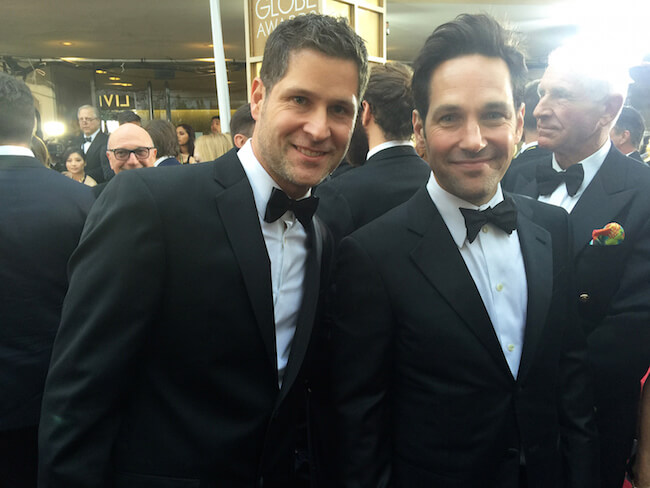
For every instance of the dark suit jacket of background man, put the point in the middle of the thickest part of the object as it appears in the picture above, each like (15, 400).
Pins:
(636, 155)
(613, 284)
(96, 160)
(42, 214)
(531, 154)
(387, 179)
(172, 375)
(424, 395)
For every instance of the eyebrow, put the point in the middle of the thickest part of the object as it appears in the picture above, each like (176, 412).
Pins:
(293, 91)
(455, 108)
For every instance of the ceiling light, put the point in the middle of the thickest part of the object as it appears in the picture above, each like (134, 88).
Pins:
(114, 78)
(100, 71)
(66, 43)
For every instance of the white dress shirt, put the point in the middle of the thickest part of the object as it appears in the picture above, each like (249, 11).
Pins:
(15, 151)
(496, 265)
(386, 145)
(590, 166)
(87, 144)
(286, 244)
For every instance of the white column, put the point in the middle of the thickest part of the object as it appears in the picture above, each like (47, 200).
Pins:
(223, 95)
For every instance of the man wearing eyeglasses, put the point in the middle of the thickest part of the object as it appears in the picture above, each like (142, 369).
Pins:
(93, 142)
(129, 147)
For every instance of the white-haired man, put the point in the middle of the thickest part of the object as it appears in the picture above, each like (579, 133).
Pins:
(606, 194)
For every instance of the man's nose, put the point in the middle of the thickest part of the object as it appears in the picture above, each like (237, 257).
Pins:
(317, 126)
(472, 138)
(541, 109)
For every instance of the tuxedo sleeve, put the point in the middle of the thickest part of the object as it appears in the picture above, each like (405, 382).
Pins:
(116, 277)
(361, 364)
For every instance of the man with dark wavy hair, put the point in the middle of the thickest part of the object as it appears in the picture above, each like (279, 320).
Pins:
(389, 171)
(457, 356)
(191, 367)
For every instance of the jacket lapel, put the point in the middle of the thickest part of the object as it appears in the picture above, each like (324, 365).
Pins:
(607, 194)
(449, 275)
(308, 307)
(537, 251)
(236, 207)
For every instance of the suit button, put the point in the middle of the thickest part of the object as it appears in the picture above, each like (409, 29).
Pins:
(584, 297)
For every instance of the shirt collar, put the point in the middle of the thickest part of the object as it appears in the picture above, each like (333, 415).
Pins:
(92, 136)
(15, 151)
(160, 160)
(260, 181)
(590, 165)
(386, 145)
(448, 205)
(527, 145)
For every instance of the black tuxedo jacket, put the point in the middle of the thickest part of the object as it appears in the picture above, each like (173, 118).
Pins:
(170, 377)
(42, 214)
(96, 160)
(636, 155)
(531, 154)
(424, 396)
(360, 195)
(613, 294)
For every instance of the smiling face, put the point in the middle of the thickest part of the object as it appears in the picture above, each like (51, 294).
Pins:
(471, 128)
(304, 123)
(182, 136)
(75, 164)
(130, 136)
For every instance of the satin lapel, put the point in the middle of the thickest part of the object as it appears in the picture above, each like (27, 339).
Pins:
(602, 201)
(238, 213)
(528, 188)
(525, 179)
(307, 313)
(438, 258)
(537, 251)
(95, 145)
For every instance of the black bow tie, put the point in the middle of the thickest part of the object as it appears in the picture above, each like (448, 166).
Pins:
(279, 203)
(548, 179)
(88, 139)
(503, 215)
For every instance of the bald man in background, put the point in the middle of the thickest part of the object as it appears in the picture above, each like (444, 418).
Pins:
(129, 147)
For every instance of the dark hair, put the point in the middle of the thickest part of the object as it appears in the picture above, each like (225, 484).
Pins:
(16, 111)
(163, 135)
(467, 34)
(630, 119)
(242, 122)
(215, 117)
(190, 139)
(531, 99)
(71, 150)
(327, 35)
(128, 116)
(391, 100)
